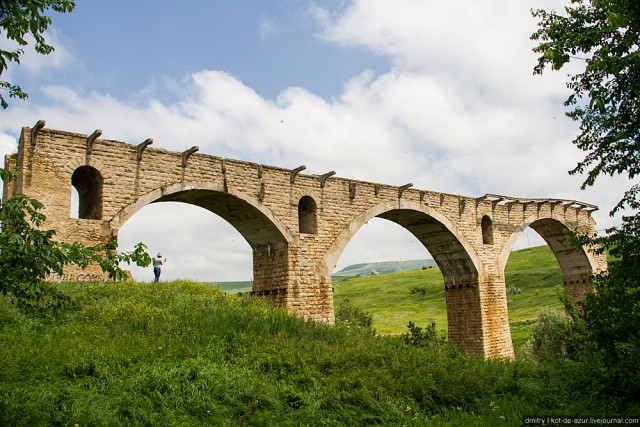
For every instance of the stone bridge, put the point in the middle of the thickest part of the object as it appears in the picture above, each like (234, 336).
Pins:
(298, 225)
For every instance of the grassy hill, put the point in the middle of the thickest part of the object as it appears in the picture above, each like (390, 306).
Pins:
(364, 269)
(232, 286)
(418, 295)
(186, 354)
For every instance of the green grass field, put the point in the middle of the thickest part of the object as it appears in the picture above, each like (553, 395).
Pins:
(532, 276)
(233, 287)
(187, 354)
(533, 273)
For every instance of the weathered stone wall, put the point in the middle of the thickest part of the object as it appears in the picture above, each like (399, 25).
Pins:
(7, 189)
(469, 238)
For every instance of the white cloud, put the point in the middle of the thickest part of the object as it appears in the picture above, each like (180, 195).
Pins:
(268, 27)
(35, 65)
(7, 144)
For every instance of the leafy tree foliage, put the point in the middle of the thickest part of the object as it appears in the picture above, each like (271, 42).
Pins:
(419, 337)
(605, 36)
(19, 19)
(29, 254)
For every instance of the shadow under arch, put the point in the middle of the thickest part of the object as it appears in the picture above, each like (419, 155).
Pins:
(88, 182)
(451, 251)
(572, 260)
(257, 224)
(576, 263)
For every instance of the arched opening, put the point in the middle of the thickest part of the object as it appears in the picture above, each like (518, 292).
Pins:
(266, 237)
(532, 277)
(458, 281)
(487, 230)
(540, 260)
(74, 203)
(87, 181)
(307, 215)
(386, 271)
(204, 248)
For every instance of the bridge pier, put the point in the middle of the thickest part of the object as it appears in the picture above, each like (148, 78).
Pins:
(464, 314)
(271, 274)
(477, 316)
(497, 332)
(310, 289)
(577, 285)
(293, 282)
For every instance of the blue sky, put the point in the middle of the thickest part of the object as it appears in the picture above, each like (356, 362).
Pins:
(268, 45)
(440, 94)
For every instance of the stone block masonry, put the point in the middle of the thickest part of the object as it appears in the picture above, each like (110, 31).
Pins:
(298, 225)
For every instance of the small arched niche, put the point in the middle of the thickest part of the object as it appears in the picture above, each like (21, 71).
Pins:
(88, 181)
(487, 230)
(307, 215)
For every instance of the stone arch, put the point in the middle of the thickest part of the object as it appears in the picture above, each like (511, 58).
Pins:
(487, 230)
(268, 237)
(454, 255)
(256, 223)
(465, 283)
(307, 215)
(571, 259)
(576, 263)
(88, 182)
(79, 161)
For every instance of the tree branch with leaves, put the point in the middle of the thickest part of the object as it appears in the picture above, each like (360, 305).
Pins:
(605, 35)
(605, 101)
(30, 254)
(20, 19)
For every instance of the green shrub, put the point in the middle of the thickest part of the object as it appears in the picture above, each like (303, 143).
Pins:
(513, 290)
(348, 313)
(30, 254)
(555, 336)
(419, 337)
(422, 290)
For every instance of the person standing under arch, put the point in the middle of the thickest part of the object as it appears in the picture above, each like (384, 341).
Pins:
(158, 261)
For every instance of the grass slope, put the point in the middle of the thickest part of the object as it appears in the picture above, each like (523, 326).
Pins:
(418, 295)
(186, 354)
(531, 274)
(364, 269)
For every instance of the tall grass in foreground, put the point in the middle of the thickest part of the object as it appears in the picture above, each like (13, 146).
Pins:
(183, 353)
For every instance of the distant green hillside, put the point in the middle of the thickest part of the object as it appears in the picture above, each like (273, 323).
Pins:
(364, 269)
(233, 287)
(367, 269)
